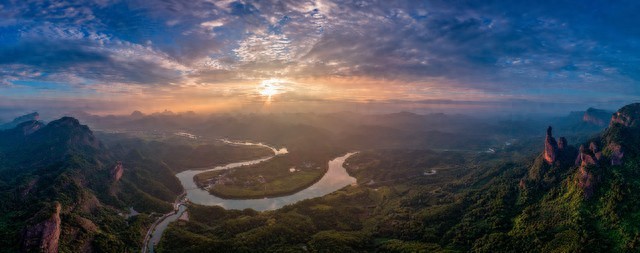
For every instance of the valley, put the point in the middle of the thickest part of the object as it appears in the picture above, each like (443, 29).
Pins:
(311, 190)
(319, 126)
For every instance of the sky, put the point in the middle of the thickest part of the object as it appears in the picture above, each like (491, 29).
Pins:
(113, 56)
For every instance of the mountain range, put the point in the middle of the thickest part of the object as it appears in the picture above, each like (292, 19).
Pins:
(65, 190)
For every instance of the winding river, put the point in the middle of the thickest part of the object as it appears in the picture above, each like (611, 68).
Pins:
(335, 179)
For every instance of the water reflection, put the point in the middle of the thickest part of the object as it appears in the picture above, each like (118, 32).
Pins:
(159, 229)
(335, 178)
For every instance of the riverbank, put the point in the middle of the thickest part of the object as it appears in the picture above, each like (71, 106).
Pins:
(279, 176)
(335, 178)
(147, 243)
(278, 188)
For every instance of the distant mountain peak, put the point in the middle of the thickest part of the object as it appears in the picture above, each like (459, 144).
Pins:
(137, 114)
(35, 116)
(596, 116)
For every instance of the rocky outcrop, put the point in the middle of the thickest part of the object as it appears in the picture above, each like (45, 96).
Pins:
(552, 148)
(589, 156)
(587, 159)
(116, 172)
(43, 236)
(628, 116)
(616, 153)
(586, 181)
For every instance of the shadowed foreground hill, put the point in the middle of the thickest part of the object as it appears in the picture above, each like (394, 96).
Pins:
(61, 190)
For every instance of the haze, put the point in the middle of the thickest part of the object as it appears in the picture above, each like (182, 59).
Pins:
(113, 57)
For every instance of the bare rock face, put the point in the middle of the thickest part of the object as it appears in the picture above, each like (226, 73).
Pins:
(616, 154)
(116, 172)
(628, 116)
(597, 154)
(586, 181)
(43, 236)
(587, 157)
(550, 147)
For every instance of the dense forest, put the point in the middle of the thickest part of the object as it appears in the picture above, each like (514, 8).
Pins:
(478, 203)
(101, 192)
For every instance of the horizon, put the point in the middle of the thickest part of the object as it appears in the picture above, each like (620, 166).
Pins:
(47, 117)
(319, 126)
(488, 58)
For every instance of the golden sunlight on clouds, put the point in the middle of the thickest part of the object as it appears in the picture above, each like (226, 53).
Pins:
(270, 87)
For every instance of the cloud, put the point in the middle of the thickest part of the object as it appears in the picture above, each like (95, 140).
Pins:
(422, 48)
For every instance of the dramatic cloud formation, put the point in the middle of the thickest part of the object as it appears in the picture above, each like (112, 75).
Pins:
(187, 54)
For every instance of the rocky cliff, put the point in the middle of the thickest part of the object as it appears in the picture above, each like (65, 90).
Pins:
(116, 172)
(552, 148)
(628, 116)
(43, 236)
(587, 159)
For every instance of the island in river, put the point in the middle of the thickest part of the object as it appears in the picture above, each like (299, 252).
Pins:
(335, 178)
(282, 175)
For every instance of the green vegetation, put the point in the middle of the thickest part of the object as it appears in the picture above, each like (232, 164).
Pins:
(474, 203)
(183, 156)
(269, 178)
(65, 163)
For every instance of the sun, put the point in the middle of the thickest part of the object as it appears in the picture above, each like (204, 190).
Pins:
(269, 88)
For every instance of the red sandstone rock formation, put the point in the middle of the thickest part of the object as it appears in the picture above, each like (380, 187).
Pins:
(616, 154)
(587, 157)
(117, 172)
(550, 147)
(586, 181)
(553, 147)
(627, 116)
(44, 236)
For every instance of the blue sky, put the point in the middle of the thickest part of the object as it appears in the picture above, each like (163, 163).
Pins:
(216, 55)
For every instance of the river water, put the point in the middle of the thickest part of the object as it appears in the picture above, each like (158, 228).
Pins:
(159, 229)
(335, 179)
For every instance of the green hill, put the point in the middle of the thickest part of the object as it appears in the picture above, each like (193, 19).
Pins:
(583, 200)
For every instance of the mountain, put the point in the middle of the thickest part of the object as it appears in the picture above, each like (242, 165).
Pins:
(63, 190)
(569, 197)
(597, 117)
(28, 117)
